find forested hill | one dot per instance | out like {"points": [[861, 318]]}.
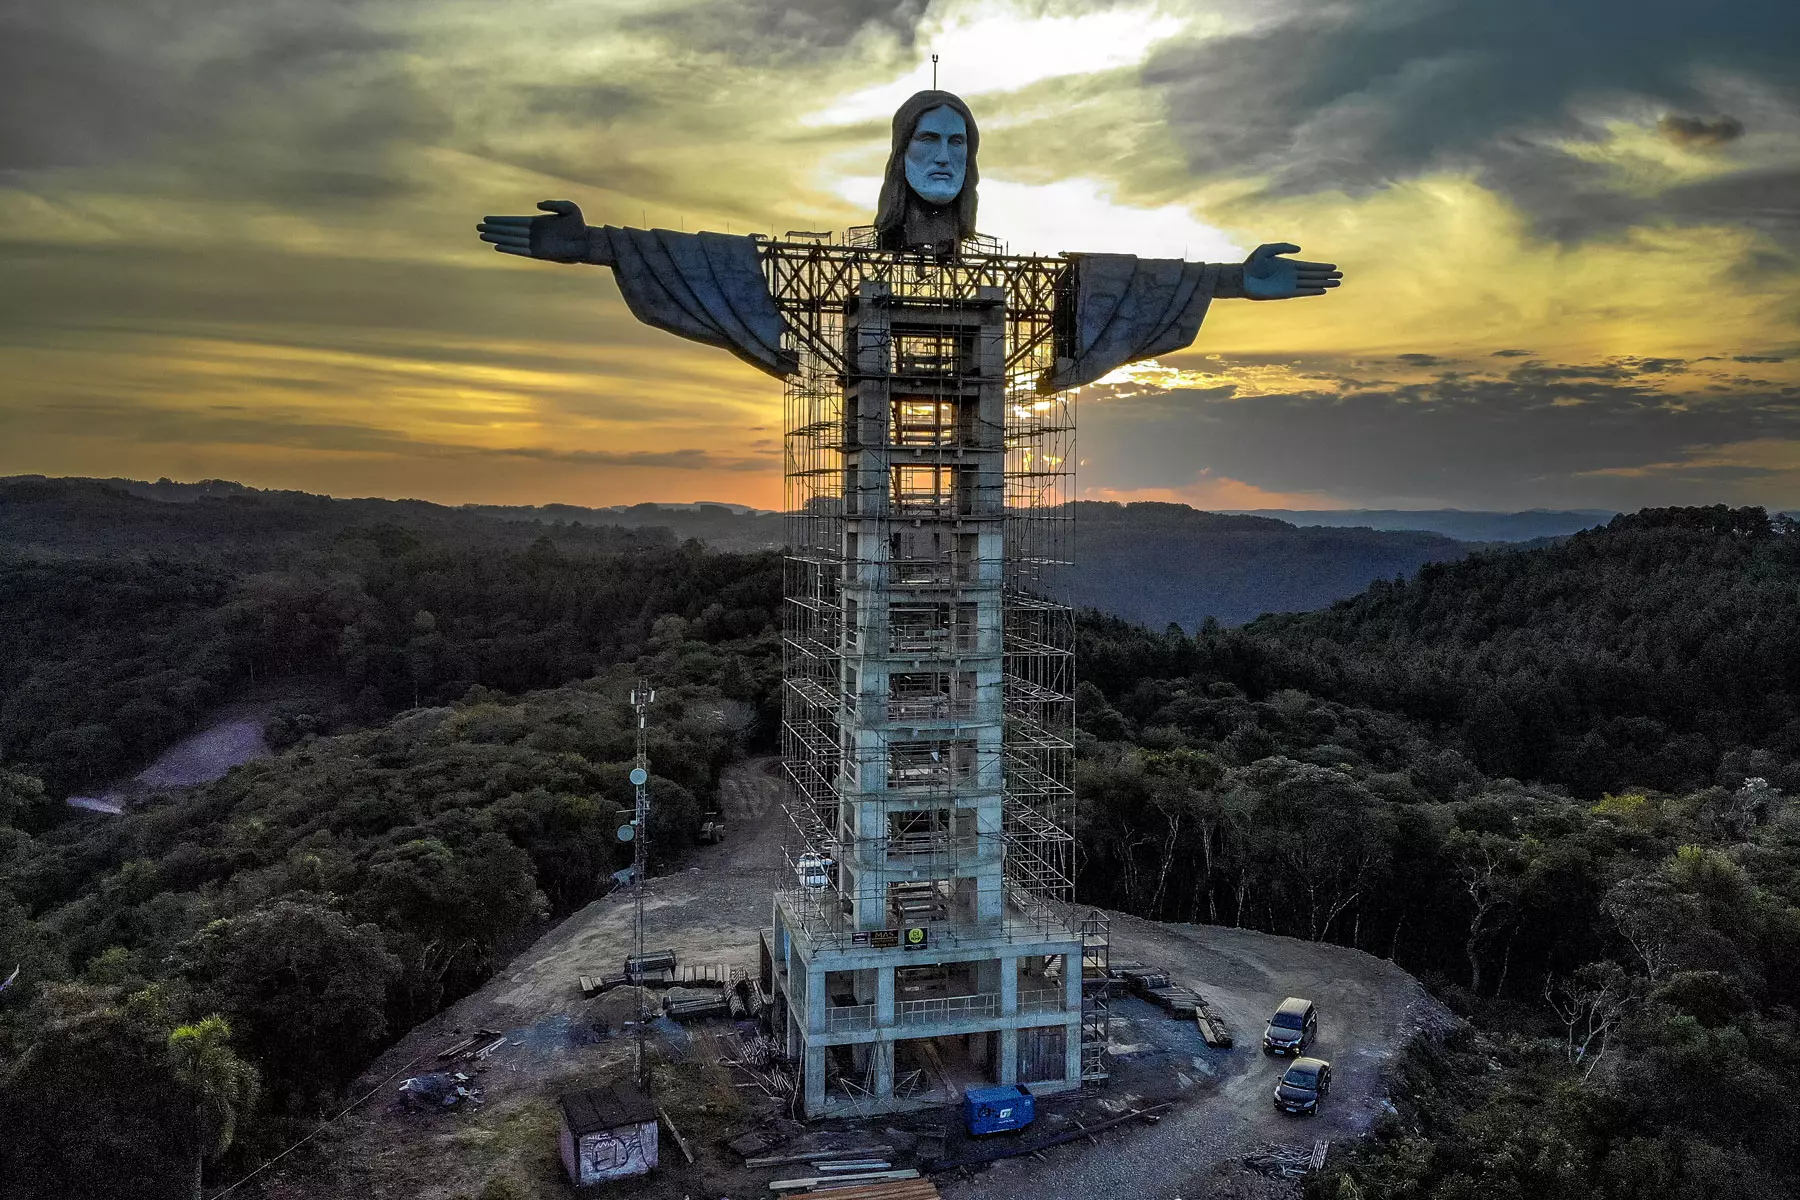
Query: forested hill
{"points": [[1556, 784], [1662, 649], [124, 621]]}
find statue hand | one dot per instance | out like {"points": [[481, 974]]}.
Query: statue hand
{"points": [[560, 237], [1268, 277]]}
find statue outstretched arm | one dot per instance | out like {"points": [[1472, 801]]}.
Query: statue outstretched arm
{"points": [[706, 287], [1123, 309]]}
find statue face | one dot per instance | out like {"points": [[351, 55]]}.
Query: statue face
{"points": [[938, 155]]}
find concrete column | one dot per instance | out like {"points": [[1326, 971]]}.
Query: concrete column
{"points": [[884, 1069], [884, 1004], [1009, 987], [1072, 970], [815, 1079], [815, 998], [1009, 1056]]}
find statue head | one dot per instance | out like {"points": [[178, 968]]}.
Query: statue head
{"points": [[931, 165]]}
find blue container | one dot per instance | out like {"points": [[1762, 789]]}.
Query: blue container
{"points": [[998, 1109]]}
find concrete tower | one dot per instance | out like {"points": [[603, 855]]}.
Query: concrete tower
{"points": [[923, 938]]}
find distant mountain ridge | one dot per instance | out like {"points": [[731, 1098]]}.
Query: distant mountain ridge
{"points": [[1462, 524], [1153, 563]]}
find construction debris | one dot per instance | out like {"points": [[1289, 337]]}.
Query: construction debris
{"points": [[438, 1090], [686, 1004], [813, 1181], [906, 1189], [680, 1142], [657, 966], [1212, 1027], [477, 1045], [819, 1158], [1286, 1162]]}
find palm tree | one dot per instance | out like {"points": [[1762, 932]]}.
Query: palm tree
{"points": [[218, 1086]]}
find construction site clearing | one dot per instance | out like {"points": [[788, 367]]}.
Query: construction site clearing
{"points": [[1185, 1104]]}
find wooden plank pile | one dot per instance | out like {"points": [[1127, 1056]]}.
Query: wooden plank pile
{"points": [[593, 983], [692, 1003], [1286, 1162], [895, 1185], [1213, 1027], [1159, 988], [760, 1059], [475, 1047]]}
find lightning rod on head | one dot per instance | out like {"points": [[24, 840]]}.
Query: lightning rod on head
{"points": [[934, 72]]}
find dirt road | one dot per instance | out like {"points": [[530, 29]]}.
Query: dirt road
{"points": [[710, 912], [1368, 1008]]}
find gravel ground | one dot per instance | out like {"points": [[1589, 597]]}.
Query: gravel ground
{"points": [[711, 910], [1368, 1008]]}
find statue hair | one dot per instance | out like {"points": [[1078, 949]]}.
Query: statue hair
{"points": [[897, 194]]}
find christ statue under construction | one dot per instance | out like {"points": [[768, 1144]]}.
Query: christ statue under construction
{"points": [[925, 939]]}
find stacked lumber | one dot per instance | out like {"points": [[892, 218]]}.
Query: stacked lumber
{"points": [[1173, 999], [477, 1045], [713, 973], [1140, 978], [820, 1159], [1284, 1162], [688, 1004], [1213, 1027], [903, 1189], [811, 1185]]}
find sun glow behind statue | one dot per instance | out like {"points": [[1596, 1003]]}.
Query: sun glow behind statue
{"points": [[990, 52]]}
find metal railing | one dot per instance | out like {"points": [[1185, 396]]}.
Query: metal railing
{"points": [[849, 1016], [947, 1008], [1042, 1000]]}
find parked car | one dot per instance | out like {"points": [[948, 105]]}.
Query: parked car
{"points": [[1293, 1027], [1303, 1085]]}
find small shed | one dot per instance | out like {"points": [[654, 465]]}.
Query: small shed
{"points": [[607, 1133]]}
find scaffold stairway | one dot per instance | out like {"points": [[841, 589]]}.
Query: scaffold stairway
{"points": [[1096, 978]]}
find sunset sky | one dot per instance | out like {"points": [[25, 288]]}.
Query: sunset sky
{"points": [[236, 238]]}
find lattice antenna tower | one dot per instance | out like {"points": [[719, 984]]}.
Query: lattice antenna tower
{"points": [[642, 697]]}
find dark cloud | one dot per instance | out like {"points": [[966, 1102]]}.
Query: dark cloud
{"points": [[1420, 360], [1511, 354], [778, 30], [1759, 358], [1541, 435], [150, 425], [1356, 95], [301, 102], [1695, 131]]}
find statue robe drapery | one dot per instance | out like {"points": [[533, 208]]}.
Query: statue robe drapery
{"points": [[710, 288]]}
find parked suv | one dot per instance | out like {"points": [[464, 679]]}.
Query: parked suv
{"points": [[1303, 1086], [1293, 1027]]}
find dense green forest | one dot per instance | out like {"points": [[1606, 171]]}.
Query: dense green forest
{"points": [[1550, 781]]}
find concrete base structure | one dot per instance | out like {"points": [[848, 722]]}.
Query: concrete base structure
{"points": [[1002, 1010]]}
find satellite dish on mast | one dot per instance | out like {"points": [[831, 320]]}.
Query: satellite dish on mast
{"points": [[627, 831], [639, 776]]}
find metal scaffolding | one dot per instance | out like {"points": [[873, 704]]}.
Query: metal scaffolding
{"points": [[917, 526]]}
